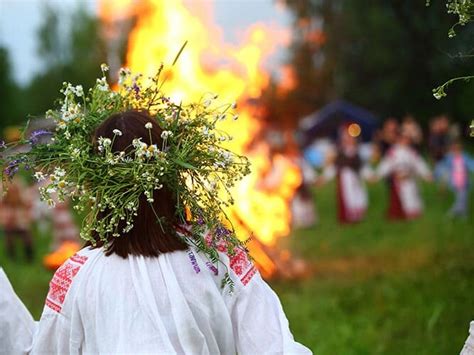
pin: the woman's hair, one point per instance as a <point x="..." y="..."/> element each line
<point x="148" y="237"/>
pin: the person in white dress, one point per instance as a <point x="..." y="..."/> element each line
<point x="403" y="165"/>
<point x="148" y="292"/>
<point x="171" y="304"/>
<point x="350" y="171"/>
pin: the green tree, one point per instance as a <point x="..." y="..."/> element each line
<point x="71" y="51"/>
<point x="386" y="56"/>
<point x="8" y="93"/>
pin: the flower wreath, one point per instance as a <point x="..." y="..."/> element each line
<point x="191" y="162"/>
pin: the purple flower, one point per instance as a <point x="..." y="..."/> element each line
<point x="12" y="168"/>
<point x="222" y="231"/>
<point x="36" y="135"/>
<point x="3" y="145"/>
<point x="200" y="220"/>
<point x="212" y="267"/>
<point x="136" y="88"/>
<point x="193" y="260"/>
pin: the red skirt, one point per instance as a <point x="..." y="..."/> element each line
<point x="395" y="208"/>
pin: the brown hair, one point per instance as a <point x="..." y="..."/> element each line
<point x="148" y="237"/>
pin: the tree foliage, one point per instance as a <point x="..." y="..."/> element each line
<point x="8" y="91"/>
<point x="70" y="47"/>
<point x="386" y="56"/>
<point x="70" y="54"/>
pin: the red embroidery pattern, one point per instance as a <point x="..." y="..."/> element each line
<point x="242" y="266"/>
<point x="62" y="280"/>
<point x="80" y="259"/>
<point x="239" y="260"/>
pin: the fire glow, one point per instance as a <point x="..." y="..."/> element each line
<point x="236" y="73"/>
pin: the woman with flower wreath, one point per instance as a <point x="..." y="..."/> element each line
<point x="162" y="271"/>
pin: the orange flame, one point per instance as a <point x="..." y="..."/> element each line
<point x="208" y="64"/>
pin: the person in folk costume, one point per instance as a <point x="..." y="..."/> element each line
<point x="16" y="218"/>
<point x="153" y="287"/>
<point x="349" y="170"/>
<point x="454" y="170"/>
<point x="402" y="164"/>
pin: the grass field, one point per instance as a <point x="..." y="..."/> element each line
<point x="379" y="287"/>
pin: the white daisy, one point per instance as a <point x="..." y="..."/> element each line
<point x="166" y="134"/>
<point x="39" y="176"/>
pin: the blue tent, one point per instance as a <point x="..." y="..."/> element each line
<point x="326" y="122"/>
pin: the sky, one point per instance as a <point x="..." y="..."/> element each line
<point x="20" y="19"/>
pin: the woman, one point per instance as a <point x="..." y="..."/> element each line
<point x="349" y="171"/>
<point x="145" y="289"/>
<point x="403" y="165"/>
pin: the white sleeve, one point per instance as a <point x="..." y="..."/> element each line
<point x="421" y="167"/>
<point x="367" y="172"/>
<point x="260" y="325"/>
<point x="59" y="331"/>
<point x="385" y="167"/>
<point x="468" y="348"/>
<point x="17" y="326"/>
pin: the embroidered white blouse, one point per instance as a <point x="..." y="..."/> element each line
<point x="172" y="304"/>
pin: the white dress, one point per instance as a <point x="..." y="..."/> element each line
<point x="171" y="304"/>
<point x="406" y="165"/>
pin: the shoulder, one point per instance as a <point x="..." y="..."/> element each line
<point x="238" y="263"/>
<point x="235" y="265"/>
<point x="239" y="266"/>
<point x="233" y="261"/>
<point x="64" y="277"/>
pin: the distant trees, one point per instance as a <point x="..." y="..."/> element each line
<point x="8" y="92"/>
<point x="69" y="53"/>
<point x="71" y="49"/>
<point x="384" y="55"/>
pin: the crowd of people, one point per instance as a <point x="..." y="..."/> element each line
<point x="399" y="156"/>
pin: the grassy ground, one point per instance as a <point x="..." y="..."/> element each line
<point x="382" y="287"/>
<point x="378" y="287"/>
